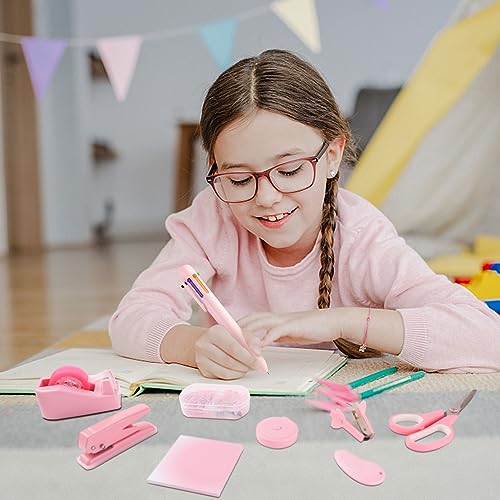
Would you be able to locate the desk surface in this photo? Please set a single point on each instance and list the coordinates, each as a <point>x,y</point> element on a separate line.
<point>38,457</point>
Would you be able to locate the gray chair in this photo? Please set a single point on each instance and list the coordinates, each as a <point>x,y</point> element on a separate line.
<point>369,109</point>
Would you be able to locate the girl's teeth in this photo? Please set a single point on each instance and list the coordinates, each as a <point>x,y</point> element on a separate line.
<point>274,218</point>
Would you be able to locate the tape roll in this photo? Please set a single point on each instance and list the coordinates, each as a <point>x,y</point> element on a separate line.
<point>277,432</point>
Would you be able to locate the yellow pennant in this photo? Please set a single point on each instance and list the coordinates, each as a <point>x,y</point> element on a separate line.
<point>300,16</point>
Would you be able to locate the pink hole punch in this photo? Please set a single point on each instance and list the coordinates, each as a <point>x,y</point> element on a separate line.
<point>70,392</point>
<point>113,435</point>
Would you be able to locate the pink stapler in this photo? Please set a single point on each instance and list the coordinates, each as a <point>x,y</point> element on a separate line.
<point>360,428</point>
<point>113,435</point>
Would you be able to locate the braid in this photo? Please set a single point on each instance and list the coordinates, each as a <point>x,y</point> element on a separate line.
<point>327,269</point>
<point>327,259</point>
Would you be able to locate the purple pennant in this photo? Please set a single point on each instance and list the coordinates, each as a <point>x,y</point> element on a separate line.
<point>42,56</point>
<point>381,4</point>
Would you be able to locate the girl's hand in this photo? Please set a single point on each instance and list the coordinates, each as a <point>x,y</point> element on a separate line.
<point>307,327</point>
<point>219,355</point>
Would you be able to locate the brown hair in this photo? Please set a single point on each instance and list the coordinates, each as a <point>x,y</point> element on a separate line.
<point>281,82</point>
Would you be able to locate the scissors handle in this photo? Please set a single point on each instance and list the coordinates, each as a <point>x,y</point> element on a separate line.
<point>420,421</point>
<point>445,425</point>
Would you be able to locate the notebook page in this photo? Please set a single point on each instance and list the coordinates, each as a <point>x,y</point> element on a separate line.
<point>291,370</point>
<point>27,375</point>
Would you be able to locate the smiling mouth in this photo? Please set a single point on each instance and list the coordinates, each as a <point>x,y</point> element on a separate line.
<point>277,217</point>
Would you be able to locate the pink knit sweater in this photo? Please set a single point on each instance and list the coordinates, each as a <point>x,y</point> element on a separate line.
<point>446,327</point>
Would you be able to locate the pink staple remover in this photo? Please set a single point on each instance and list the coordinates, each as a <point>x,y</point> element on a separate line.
<point>112,436</point>
<point>361,428</point>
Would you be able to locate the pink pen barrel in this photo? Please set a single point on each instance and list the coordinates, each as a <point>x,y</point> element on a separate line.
<point>218,311</point>
<point>220,314</point>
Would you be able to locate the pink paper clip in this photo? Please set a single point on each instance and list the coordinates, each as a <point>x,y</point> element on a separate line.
<point>70,393</point>
<point>113,436</point>
<point>361,428</point>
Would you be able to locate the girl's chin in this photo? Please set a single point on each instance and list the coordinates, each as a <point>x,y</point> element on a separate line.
<point>278,244</point>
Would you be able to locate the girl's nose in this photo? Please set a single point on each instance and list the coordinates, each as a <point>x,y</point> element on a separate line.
<point>267,195</point>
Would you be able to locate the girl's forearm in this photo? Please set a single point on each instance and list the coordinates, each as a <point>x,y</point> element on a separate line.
<point>385,328</point>
<point>178,345</point>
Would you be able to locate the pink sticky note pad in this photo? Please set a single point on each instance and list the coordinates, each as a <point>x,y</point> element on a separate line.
<point>197,464</point>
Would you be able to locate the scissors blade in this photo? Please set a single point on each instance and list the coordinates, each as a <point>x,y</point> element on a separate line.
<point>459,407</point>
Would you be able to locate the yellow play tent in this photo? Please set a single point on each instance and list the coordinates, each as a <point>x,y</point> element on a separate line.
<point>433,164</point>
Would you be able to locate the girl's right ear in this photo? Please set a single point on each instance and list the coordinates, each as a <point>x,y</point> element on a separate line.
<point>334,154</point>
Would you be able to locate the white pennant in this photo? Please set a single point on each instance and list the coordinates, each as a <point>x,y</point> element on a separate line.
<point>300,16</point>
<point>119,56</point>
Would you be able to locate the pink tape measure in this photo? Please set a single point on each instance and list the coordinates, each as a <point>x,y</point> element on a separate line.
<point>277,432</point>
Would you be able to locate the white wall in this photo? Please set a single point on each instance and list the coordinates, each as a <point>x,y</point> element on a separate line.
<point>64,157</point>
<point>3,206</point>
<point>362,45</point>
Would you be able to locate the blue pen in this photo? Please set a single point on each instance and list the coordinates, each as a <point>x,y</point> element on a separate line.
<point>390,385</point>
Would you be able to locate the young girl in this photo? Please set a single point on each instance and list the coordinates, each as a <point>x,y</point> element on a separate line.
<point>293,258</point>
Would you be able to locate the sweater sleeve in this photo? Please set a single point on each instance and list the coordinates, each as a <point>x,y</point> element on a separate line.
<point>446,327</point>
<point>156,303</point>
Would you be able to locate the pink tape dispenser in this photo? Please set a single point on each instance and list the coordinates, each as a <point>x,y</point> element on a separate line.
<point>70,392</point>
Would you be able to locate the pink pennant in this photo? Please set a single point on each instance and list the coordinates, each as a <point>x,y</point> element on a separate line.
<point>42,56</point>
<point>119,55</point>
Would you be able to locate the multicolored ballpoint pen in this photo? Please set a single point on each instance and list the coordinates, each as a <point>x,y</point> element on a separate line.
<point>199,290</point>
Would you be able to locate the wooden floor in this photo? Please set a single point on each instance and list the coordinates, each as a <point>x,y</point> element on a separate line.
<point>44,298</point>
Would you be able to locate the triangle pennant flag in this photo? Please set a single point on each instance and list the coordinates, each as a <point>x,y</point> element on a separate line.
<point>300,16</point>
<point>381,4</point>
<point>219,38</point>
<point>119,56</point>
<point>42,56</point>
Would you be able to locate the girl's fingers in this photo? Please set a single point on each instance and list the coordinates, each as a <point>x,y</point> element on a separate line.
<point>210,369</point>
<point>228,360</point>
<point>254,343</point>
<point>269,327</point>
<point>223,340</point>
<point>291,341</point>
<point>257,323</point>
<point>291,331</point>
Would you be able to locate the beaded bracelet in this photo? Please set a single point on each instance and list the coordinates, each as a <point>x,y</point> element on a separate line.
<point>363,346</point>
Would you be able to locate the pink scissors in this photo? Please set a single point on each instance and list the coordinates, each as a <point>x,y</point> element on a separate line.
<point>426,424</point>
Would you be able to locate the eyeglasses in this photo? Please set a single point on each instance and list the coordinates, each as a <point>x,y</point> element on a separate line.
<point>289,177</point>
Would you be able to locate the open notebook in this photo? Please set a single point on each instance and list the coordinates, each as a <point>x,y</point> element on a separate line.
<point>293,371</point>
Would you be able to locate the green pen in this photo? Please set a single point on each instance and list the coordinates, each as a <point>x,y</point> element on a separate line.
<point>373,376</point>
<point>390,385</point>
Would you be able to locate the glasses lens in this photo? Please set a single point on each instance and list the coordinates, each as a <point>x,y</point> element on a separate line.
<point>293,176</point>
<point>290,177</point>
<point>235,187</point>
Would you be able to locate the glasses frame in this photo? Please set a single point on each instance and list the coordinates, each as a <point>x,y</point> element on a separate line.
<point>212,176</point>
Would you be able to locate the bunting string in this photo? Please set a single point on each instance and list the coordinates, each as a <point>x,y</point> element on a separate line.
<point>154,35</point>
<point>120,53</point>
